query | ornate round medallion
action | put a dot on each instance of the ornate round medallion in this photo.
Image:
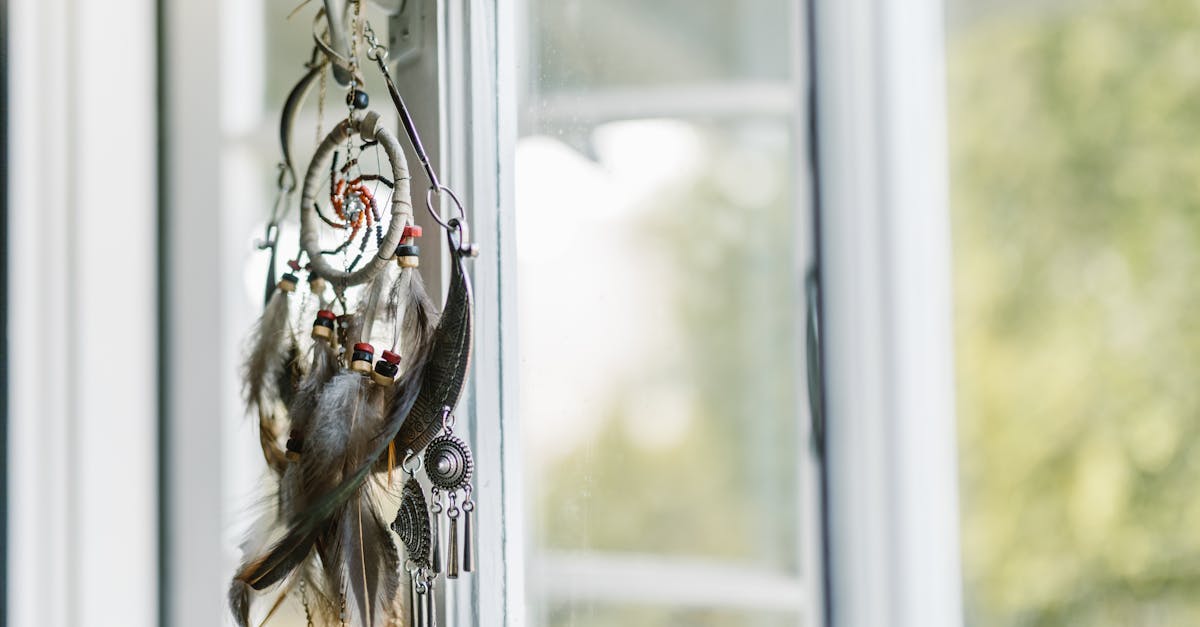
(412, 522)
(448, 462)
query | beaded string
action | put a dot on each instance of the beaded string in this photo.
(304, 602)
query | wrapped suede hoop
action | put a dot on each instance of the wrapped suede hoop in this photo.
(369, 129)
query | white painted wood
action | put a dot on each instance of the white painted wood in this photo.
(478, 137)
(82, 252)
(885, 275)
(665, 581)
(197, 383)
(728, 99)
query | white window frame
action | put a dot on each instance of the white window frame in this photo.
(83, 442)
(892, 506)
(82, 254)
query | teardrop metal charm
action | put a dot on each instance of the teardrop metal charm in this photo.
(452, 550)
(468, 560)
(435, 550)
(430, 605)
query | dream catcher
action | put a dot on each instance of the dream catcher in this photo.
(355, 377)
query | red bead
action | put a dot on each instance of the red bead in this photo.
(364, 347)
(390, 357)
(294, 265)
(412, 230)
(326, 314)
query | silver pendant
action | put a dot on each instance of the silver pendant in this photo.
(412, 523)
(448, 462)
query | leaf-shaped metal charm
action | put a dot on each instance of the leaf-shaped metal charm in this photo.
(446, 371)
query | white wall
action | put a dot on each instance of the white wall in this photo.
(81, 248)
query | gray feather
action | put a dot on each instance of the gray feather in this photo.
(372, 298)
(240, 595)
(409, 300)
(268, 350)
(270, 347)
(303, 410)
(356, 549)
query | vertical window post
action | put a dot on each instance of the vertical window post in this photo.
(885, 276)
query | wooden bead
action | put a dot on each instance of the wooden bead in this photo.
(323, 325)
(362, 357)
(409, 262)
(386, 368)
(287, 283)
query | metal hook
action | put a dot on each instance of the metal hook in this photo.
(339, 47)
(410, 456)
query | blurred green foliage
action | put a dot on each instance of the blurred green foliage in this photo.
(1075, 139)
(727, 489)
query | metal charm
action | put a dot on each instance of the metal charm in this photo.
(449, 465)
(412, 523)
(448, 462)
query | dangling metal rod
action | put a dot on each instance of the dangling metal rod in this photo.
(378, 53)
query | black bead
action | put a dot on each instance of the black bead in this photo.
(361, 356)
(386, 369)
(358, 99)
(408, 250)
(289, 277)
(322, 322)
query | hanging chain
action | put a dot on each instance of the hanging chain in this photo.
(355, 35)
(304, 602)
(321, 87)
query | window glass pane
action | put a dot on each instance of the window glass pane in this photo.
(662, 240)
(1074, 129)
(630, 42)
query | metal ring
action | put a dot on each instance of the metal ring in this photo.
(410, 456)
(436, 190)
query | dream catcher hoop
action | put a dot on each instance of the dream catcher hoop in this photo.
(355, 208)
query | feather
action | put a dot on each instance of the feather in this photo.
(257, 572)
(372, 564)
(354, 546)
(240, 595)
(271, 342)
(288, 378)
(350, 327)
(258, 536)
(432, 383)
(373, 297)
(420, 316)
(307, 526)
(303, 410)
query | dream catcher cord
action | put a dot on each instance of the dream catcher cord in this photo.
(336, 419)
